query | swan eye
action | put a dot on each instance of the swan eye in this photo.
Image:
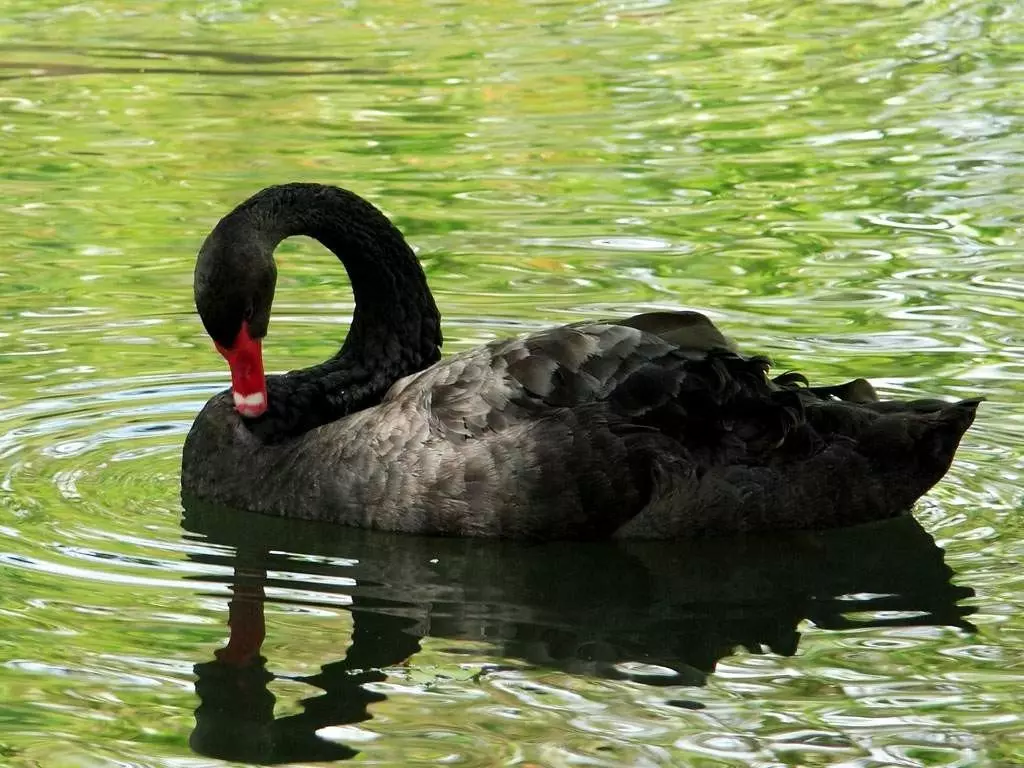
(247, 315)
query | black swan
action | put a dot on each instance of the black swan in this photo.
(653, 426)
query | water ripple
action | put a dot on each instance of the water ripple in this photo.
(848, 209)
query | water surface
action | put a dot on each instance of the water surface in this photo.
(836, 184)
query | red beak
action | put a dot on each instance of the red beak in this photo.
(248, 384)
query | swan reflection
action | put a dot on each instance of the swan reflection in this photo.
(661, 612)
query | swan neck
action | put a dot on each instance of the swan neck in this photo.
(396, 324)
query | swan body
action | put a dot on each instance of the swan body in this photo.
(653, 426)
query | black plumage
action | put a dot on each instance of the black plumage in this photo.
(655, 426)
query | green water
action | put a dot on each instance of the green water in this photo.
(837, 183)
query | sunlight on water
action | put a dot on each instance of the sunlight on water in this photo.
(836, 184)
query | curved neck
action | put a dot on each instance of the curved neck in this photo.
(396, 327)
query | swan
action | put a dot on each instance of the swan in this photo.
(653, 426)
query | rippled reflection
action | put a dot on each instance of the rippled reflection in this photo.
(658, 613)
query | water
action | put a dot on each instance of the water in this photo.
(837, 184)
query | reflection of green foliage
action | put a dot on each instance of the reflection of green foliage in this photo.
(836, 182)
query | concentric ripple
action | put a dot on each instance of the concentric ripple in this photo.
(91, 461)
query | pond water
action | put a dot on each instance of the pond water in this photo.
(838, 184)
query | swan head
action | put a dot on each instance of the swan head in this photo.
(234, 285)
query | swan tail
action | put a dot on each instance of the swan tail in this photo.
(833, 471)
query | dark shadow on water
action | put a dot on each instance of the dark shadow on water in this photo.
(594, 609)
